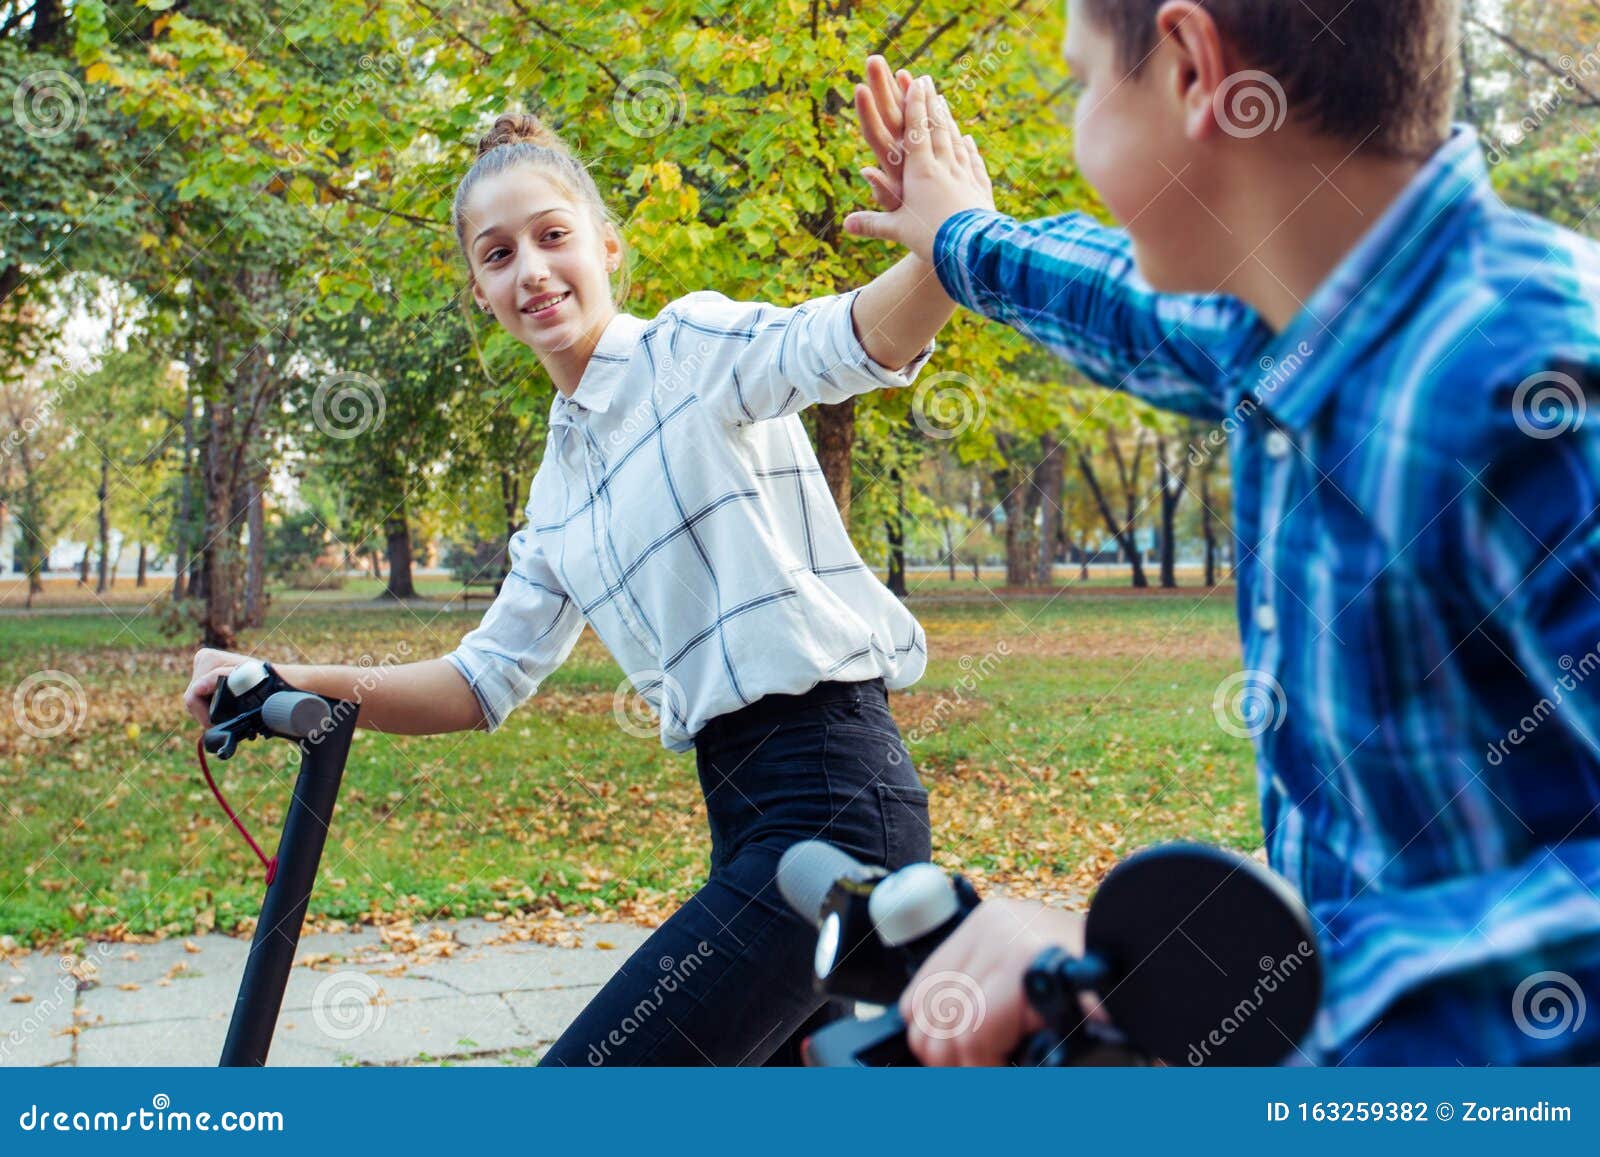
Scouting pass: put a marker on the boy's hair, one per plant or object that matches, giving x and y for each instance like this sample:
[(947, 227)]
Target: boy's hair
[(523, 139), (1381, 74)]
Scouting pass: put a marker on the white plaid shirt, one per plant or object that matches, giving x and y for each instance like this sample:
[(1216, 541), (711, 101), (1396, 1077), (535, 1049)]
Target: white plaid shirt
[(681, 512)]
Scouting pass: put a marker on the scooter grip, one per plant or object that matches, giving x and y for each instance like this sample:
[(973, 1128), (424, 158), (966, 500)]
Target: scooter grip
[(296, 714)]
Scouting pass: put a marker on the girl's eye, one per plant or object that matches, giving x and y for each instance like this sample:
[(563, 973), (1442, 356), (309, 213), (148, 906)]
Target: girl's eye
[(492, 255), (555, 235)]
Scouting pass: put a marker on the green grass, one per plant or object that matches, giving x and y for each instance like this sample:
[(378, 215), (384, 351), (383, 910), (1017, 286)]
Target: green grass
[(1077, 730)]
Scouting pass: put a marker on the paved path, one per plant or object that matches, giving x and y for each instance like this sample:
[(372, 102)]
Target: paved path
[(460, 1001)]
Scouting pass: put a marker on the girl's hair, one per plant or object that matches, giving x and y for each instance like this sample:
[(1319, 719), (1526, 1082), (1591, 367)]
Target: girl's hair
[(518, 139)]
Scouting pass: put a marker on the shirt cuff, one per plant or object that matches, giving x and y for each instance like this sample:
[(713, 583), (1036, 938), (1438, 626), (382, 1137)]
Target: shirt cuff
[(949, 253), (848, 349), (491, 718)]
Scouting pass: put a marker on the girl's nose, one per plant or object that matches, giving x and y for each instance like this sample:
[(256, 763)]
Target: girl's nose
[(534, 268)]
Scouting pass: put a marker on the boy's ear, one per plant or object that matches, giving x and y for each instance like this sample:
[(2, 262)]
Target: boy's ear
[(1199, 63)]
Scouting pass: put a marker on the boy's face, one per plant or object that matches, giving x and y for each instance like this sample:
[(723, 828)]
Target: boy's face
[(1132, 147)]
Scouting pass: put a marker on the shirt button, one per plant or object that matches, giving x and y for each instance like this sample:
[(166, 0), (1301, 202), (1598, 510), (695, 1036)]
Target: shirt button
[(1278, 444), (1267, 618)]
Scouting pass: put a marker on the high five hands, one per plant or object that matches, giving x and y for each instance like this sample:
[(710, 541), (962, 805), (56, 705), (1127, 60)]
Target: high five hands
[(927, 171)]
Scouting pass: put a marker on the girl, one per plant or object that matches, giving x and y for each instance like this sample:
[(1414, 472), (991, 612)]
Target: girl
[(680, 511)]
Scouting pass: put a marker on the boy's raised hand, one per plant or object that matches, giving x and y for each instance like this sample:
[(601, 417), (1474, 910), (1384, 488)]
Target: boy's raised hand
[(943, 172)]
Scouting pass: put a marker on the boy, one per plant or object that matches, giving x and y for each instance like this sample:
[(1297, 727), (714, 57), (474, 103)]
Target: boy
[(1313, 256)]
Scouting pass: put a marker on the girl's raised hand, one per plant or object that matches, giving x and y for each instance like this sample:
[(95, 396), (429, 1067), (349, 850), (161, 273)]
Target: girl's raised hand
[(880, 108), (943, 173)]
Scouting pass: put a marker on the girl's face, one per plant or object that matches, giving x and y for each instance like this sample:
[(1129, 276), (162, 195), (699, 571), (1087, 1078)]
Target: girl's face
[(540, 261)]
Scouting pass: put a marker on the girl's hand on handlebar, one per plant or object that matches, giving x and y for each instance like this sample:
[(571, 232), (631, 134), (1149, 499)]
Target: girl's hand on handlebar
[(209, 666), (966, 1005)]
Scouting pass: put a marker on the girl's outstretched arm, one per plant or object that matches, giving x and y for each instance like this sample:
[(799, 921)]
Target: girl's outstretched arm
[(899, 312), (426, 698)]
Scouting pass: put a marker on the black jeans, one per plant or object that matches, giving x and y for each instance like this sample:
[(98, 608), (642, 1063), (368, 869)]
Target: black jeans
[(727, 979)]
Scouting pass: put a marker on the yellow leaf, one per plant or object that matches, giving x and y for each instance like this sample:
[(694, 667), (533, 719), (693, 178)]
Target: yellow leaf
[(668, 174), (97, 72)]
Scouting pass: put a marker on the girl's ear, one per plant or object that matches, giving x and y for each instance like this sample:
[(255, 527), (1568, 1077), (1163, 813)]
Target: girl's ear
[(612, 242), (478, 297)]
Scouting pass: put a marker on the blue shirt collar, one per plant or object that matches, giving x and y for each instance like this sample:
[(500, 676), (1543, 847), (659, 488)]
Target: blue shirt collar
[(1375, 284)]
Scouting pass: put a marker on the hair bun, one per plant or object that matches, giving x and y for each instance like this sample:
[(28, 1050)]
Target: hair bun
[(519, 129)]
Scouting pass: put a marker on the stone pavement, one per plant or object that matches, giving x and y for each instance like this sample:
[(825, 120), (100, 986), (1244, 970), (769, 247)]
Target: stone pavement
[(358, 1003)]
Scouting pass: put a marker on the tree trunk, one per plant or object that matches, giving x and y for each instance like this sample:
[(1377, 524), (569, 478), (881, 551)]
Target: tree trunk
[(513, 516), (836, 442), (143, 565), (1047, 482), (1014, 499), (220, 533), (33, 544), (896, 524), (1172, 486), (398, 532), (104, 520), (1129, 478), (255, 582), (1122, 532), (1208, 524)]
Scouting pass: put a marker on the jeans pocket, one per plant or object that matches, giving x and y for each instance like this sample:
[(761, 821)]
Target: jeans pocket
[(907, 834)]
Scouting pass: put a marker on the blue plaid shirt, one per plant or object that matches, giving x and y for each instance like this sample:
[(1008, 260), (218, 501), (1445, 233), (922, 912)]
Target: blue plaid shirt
[(1417, 504)]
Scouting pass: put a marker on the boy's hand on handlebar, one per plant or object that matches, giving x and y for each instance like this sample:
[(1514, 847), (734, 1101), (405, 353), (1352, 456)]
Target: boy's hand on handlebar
[(966, 1005), (210, 666)]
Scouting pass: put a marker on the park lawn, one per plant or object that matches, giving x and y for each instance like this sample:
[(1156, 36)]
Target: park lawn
[(1055, 736)]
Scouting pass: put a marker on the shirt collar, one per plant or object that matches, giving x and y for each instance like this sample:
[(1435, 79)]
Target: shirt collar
[(1375, 284), (603, 374)]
